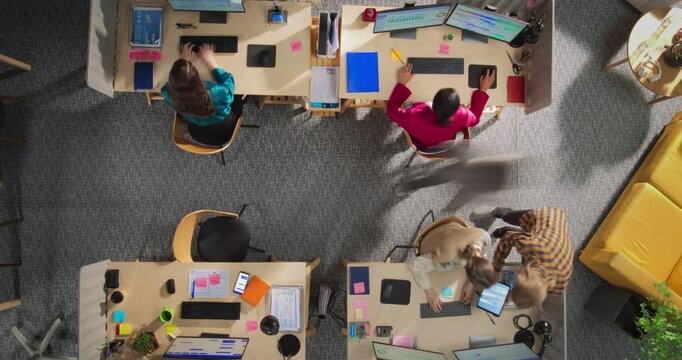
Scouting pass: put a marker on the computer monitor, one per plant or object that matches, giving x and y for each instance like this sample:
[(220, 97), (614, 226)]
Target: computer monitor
[(187, 347), (519, 351), (207, 5), (486, 23), (391, 352), (413, 17)]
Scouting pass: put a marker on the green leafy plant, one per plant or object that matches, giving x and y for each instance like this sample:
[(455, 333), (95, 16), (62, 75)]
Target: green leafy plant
[(661, 326), (145, 343)]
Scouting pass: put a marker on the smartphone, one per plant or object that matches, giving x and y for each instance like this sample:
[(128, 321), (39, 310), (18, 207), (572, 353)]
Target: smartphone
[(240, 284)]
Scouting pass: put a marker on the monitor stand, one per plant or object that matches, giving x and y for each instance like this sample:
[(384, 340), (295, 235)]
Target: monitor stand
[(213, 17), (404, 34)]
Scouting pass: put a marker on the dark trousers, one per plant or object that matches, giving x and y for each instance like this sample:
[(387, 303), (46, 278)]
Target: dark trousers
[(218, 134), (510, 216)]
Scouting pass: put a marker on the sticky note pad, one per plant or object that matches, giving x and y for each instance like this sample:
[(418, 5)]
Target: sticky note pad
[(444, 49), (295, 46), (123, 329), (170, 328), (359, 288), (201, 282), (119, 316), (214, 279), (396, 55), (446, 292), (360, 306), (251, 325), (359, 314), (403, 341)]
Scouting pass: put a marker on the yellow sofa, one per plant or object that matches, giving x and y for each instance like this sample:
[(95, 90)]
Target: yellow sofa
[(640, 241)]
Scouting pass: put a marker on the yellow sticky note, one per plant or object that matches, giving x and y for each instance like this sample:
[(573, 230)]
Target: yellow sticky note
[(123, 329), (358, 314), (396, 55), (170, 328)]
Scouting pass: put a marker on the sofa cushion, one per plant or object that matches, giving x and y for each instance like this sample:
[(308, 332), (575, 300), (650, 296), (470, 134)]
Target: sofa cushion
[(663, 166), (675, 279), (645, 226)]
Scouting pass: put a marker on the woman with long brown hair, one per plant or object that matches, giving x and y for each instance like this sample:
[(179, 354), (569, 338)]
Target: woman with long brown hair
[(210, 108)]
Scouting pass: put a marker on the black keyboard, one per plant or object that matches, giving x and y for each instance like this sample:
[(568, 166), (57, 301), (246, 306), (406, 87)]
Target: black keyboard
[(452, 308), (210, 310), (223, 44), (424, 65)]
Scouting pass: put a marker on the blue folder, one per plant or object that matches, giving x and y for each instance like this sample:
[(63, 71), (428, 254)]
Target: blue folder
[(144, 76), (362, 72), (359, 274)]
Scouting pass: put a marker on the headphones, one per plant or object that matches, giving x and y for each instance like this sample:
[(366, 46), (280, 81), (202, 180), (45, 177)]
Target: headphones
[(526, 333)]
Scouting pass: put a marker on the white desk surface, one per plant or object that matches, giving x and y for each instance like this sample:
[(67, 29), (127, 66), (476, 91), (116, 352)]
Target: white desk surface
[(290, 76), (144, 288), (358, 36), (439, 334)]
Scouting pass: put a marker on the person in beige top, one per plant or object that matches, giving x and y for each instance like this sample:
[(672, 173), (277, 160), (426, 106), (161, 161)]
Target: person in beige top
[(451, 246)]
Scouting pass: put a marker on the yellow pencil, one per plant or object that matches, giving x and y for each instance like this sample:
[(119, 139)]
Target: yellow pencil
[(397, 55)]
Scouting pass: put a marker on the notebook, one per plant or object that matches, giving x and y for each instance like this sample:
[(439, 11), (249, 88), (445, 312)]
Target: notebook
[(359, 275), (144, 76), (516, 89), (255, 290), (362, 72)]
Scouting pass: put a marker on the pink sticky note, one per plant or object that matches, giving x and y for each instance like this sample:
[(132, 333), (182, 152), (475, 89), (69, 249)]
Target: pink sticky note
[(360, 306), (201, 282), (403, 340), (133, 54), (251, 325), (295, 46), (214, 279), (444, 49), (359, 287)]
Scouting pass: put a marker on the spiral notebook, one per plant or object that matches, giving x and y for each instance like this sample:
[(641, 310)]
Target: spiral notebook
[(362, 72)]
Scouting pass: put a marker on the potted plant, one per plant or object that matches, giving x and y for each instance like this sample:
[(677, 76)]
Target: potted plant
[(673, 54), (661, 327), (144, 343)]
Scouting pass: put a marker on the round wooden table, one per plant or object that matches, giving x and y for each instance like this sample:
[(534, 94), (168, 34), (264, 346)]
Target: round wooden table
[(648, 37)]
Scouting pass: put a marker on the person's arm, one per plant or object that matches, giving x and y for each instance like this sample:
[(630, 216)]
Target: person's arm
[(166, 96), (480, 98), (421, 267), (399, 95), (503, 248)]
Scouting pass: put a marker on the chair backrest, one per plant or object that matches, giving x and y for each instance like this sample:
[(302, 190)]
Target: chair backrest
[(184, 233), (438, 150), (183, 143), (444, 220)]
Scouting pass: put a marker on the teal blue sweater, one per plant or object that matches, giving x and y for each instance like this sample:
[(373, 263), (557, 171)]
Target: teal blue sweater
[(221, 92)]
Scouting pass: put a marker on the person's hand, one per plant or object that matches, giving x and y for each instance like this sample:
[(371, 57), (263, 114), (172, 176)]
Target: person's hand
[(467, 292), (405, 74), (486, 80), (206, 52), (186, 51), (433, 300)]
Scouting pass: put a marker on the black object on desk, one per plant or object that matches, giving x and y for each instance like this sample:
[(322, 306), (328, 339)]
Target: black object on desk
[(451, 308), (395, 292), (210, 310), (436, 65), (170, 286), (213, 17), (289, 345), (223, 44), (111, 279), (475, 72), (261, 56)]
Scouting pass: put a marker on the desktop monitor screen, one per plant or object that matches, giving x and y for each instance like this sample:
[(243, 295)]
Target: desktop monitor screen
[(486, 23), (517, 351), (186, 347), (391, 352), (411, 18), (207, 5)]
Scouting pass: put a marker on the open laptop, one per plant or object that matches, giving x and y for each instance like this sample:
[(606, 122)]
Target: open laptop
[(518, 351), (188, 347), (391, 352)]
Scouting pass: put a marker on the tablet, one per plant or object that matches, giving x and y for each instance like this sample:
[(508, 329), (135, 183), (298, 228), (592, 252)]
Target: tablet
[(492, 299)]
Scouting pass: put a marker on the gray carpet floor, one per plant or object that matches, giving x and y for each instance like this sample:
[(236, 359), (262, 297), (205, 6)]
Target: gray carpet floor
[(101, 179)]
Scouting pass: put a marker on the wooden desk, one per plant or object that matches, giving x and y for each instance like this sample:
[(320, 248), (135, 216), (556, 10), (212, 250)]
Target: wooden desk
[(429, 333), (358, 35), (291, 76), (145, 294)]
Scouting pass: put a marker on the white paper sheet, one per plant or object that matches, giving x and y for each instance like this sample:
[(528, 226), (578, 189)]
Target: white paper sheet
[(212, 289)]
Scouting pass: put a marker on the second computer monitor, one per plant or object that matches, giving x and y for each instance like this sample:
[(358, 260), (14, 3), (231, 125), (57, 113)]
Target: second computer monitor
[(486, 23), (411, 18), (391, 352), (207, 5), (188, 347)]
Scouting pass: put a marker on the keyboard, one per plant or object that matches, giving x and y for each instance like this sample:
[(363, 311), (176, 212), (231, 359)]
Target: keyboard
[(207, 310), (452, 308), (424, 65), (223, 44)]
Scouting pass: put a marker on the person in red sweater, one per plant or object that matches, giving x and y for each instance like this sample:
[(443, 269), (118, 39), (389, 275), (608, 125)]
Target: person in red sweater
[(429, 126)]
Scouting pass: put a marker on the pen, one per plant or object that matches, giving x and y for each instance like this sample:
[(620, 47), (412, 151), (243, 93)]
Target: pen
[(397, 55), (184, 25), (194, 284)]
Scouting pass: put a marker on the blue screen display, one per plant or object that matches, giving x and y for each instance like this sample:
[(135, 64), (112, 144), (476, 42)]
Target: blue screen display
[(492, 299)]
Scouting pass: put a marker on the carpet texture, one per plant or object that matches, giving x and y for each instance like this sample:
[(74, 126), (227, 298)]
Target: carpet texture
[(101, 179)]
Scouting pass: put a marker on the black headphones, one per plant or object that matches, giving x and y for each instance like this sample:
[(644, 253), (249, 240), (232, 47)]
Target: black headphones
[(526, 334)]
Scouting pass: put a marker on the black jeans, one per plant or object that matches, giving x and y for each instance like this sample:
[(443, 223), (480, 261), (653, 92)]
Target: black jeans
[(510, 216), (218, 134)]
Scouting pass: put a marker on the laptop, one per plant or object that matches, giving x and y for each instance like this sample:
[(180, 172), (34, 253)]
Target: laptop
[(518, 351), (189, 347)]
